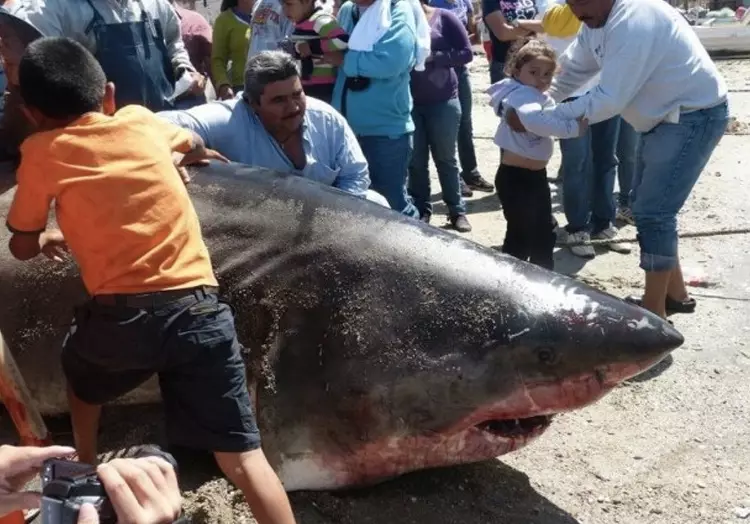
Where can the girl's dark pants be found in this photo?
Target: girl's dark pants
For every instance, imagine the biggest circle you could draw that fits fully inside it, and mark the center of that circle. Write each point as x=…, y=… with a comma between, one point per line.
x=527, y=206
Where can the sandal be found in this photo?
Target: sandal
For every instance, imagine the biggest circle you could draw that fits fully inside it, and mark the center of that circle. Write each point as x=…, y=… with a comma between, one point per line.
x=671, y=305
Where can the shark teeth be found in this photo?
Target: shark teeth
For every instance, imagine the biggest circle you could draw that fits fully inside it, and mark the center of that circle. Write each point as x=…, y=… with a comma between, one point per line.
x=514, y=427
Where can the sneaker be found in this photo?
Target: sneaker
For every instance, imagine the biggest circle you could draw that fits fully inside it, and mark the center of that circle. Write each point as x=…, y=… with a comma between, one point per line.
x=585, y=251
x=609, y=234
x=561, y=236
x=477, y=183
x=466, y=190
x=460, y=223
x=625, y=214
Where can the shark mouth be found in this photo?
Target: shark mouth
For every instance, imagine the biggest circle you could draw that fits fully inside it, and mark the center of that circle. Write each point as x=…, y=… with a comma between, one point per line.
x=516, y=428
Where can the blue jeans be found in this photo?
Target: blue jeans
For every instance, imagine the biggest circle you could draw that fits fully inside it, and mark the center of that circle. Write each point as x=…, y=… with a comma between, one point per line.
x=436, y=129
x=388, y=159
x=466, y=153
x=627, y=155
x=670, y=160
x=588, y=167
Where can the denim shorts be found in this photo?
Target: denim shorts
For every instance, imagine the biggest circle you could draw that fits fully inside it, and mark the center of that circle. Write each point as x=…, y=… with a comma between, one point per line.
x=671, y=157
x=190, y=342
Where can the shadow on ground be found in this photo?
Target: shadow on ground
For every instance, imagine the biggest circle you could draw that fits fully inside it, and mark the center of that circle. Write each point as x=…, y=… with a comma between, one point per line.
x=654, y=371
x=482, y=493
x=488, y=492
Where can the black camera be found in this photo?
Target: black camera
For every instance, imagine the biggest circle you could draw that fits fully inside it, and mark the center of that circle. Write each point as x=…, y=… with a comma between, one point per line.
x=68, y=485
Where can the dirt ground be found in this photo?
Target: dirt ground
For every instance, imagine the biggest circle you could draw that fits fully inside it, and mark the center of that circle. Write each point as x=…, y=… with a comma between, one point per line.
x=669, y=447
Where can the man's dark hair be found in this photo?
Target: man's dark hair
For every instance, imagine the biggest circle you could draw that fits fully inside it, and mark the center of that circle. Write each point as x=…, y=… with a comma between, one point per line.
x=60, y=78
x=265, y=68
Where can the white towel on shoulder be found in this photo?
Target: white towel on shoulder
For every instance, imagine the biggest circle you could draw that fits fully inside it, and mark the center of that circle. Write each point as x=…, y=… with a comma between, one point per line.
x=424, y=41
x=375, y=22
x=371, y=27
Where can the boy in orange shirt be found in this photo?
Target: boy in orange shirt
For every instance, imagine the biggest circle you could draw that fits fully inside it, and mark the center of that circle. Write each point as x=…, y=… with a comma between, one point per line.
x=128, y=221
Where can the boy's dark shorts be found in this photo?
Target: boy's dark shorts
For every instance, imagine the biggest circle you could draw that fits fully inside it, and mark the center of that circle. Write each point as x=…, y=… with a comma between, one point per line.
x=188, y=338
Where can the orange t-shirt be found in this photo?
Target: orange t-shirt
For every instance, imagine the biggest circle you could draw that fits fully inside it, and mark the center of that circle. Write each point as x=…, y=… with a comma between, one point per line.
x=120, y=203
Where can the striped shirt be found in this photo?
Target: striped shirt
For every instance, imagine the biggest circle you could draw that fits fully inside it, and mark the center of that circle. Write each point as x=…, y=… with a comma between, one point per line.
x=330, y=38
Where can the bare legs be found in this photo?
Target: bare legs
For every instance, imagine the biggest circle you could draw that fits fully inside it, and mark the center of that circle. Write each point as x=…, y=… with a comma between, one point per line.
x=676, y=288
x=249, y=471
x=663, y=284
x=655, y=294
x=85, y=421
x=253, y=475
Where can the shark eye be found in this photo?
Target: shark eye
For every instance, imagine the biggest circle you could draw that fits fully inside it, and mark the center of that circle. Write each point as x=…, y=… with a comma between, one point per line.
x=546, y=356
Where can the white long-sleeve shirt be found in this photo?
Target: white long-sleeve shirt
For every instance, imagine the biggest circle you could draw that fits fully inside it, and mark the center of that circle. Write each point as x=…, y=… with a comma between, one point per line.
x=72, y=18
x=560, y=45
x=653, y=67
x=536, y=112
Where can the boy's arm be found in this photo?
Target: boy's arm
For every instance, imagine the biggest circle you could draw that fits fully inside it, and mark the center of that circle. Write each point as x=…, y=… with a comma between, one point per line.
x=333, y=37
x=187, y=142
x=27, y=218
x=545, y=122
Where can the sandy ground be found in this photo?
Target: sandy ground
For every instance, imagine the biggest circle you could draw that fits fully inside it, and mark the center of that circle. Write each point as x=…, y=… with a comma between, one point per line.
x=670, y=447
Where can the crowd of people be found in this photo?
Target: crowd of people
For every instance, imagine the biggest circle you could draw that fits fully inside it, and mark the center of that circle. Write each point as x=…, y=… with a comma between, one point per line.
x=358, y=96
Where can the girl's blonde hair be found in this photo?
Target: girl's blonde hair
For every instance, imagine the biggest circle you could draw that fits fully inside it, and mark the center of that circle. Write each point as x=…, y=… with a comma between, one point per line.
x=524, y=50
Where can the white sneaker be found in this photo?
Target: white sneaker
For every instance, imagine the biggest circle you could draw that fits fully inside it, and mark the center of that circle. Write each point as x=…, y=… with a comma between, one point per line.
x=562, y=236
x=581, y=251
x=609, y=234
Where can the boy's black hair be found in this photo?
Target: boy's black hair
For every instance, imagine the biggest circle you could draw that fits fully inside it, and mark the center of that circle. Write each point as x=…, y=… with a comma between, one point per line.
x=60, y=78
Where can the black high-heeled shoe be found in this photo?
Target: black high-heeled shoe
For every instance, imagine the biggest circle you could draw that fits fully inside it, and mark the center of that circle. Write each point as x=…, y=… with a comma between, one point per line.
x=671, y=305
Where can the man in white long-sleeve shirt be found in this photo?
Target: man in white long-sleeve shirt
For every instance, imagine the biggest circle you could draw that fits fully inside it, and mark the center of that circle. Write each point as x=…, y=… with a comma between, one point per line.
x=137, y=42
x=659, y=77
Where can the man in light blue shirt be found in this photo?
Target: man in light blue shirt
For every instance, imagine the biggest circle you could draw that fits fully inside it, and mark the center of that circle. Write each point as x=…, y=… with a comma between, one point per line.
x=272, y=124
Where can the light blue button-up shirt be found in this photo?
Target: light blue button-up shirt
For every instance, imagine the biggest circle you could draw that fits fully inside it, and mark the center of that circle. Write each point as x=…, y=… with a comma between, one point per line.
x=333, y=155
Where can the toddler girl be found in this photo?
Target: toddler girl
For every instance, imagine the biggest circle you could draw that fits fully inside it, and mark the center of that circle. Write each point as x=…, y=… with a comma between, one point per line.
x=521, y=179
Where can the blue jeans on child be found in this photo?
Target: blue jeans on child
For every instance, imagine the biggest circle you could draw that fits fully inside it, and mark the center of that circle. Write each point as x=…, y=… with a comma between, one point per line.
x=627, y=157
x=388, y=159
x=436, y=129
x=670, y=160
x=588, y=166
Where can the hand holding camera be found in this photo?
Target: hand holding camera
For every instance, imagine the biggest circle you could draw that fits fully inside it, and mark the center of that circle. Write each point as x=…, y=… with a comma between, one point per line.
x=139, y=490
x=18, y=465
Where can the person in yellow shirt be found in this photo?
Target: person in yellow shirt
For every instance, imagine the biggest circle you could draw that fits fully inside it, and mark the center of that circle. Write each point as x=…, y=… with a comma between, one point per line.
x=128, y=221
x=231, y=43
x=560, y=22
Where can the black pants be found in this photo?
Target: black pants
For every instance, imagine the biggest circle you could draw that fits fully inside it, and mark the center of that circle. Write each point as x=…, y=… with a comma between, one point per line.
x=527, y=206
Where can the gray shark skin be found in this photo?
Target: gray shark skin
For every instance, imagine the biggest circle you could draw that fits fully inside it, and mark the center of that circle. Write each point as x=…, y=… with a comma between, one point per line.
x=380, y=345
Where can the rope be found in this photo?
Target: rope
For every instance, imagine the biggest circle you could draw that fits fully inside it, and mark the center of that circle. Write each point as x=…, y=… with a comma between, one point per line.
x=632, y=240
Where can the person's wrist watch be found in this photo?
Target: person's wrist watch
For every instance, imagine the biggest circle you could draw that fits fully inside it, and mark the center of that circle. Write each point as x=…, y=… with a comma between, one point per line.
x=514, y=23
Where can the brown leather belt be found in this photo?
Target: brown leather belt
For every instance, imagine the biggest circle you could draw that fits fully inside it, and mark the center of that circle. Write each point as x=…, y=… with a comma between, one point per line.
x=155, y=299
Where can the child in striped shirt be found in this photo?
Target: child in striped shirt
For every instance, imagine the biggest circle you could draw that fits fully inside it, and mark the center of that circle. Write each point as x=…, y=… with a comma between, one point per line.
x=316, y=32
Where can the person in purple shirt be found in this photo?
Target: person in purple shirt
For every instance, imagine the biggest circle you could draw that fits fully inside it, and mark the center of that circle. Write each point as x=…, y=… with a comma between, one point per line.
x=437, y=116
x=471, y=179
